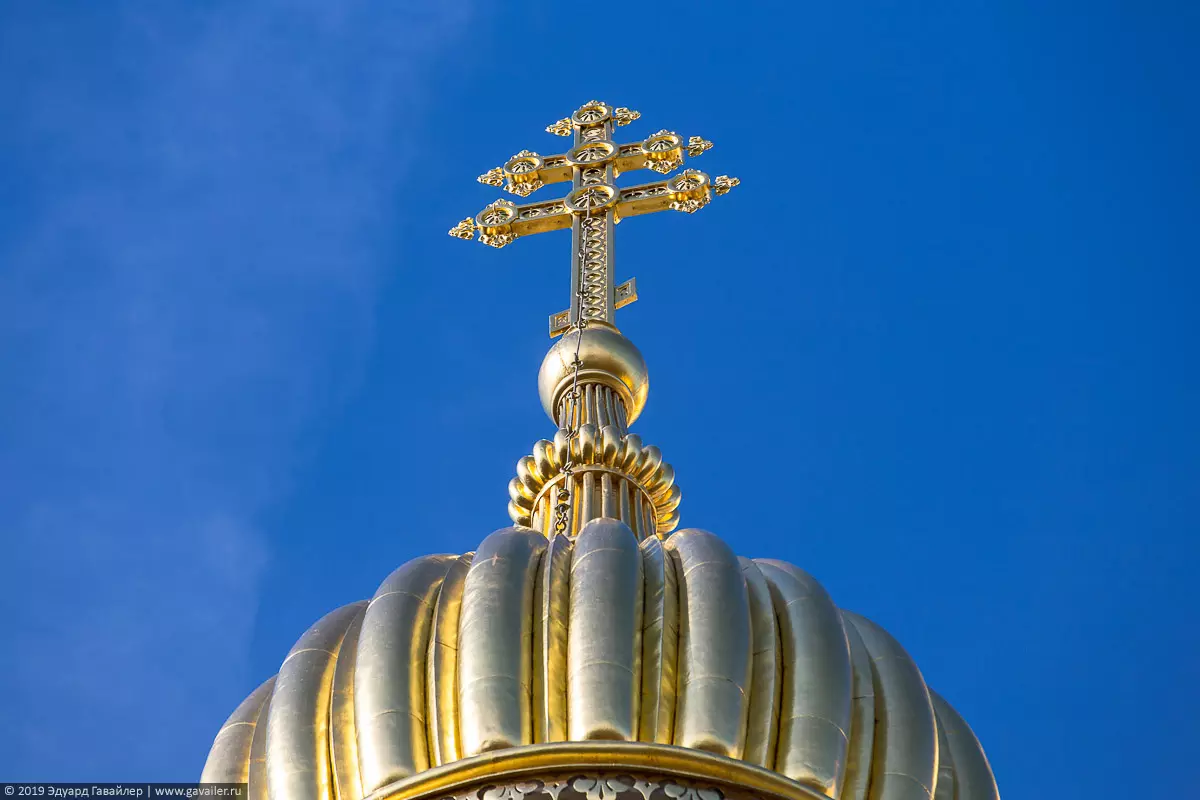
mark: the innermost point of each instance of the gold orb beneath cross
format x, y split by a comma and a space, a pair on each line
606, 357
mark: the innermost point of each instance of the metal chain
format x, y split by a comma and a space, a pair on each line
562, 509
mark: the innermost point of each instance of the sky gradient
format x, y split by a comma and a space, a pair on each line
947, 320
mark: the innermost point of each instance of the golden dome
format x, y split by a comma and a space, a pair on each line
471, 664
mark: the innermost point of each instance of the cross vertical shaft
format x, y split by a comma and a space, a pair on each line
592, 287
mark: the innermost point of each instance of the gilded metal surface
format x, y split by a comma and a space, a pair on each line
905, 760
608, 358
389, 699
495, 638
814, 720
298, 719
550, 642
862, 723
972, 774
632, 483
947, 781
229, 759
597, 356
484, 651
594, 204
441, 667
660, 643
624, 294
715, 646
503, 222
662, 152
256, 774
762, 721
604, 634
343, 732
656, 772
636, 472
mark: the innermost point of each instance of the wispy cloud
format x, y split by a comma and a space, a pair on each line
188, 280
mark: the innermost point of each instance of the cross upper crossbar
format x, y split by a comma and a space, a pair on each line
526, 172
595, 204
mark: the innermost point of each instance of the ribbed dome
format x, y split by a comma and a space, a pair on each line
599, 637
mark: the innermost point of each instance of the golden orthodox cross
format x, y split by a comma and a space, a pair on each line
595, 203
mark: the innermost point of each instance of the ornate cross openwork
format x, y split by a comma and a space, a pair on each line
595, 203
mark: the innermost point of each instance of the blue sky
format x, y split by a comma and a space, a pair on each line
949, 315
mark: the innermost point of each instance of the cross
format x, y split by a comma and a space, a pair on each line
595, 203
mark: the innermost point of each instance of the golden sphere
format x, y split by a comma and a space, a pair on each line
606, 357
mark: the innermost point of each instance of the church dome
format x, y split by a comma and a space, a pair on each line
584, 653
530, 642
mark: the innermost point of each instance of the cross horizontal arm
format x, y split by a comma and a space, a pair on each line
690, 191
526, 172
502, 221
